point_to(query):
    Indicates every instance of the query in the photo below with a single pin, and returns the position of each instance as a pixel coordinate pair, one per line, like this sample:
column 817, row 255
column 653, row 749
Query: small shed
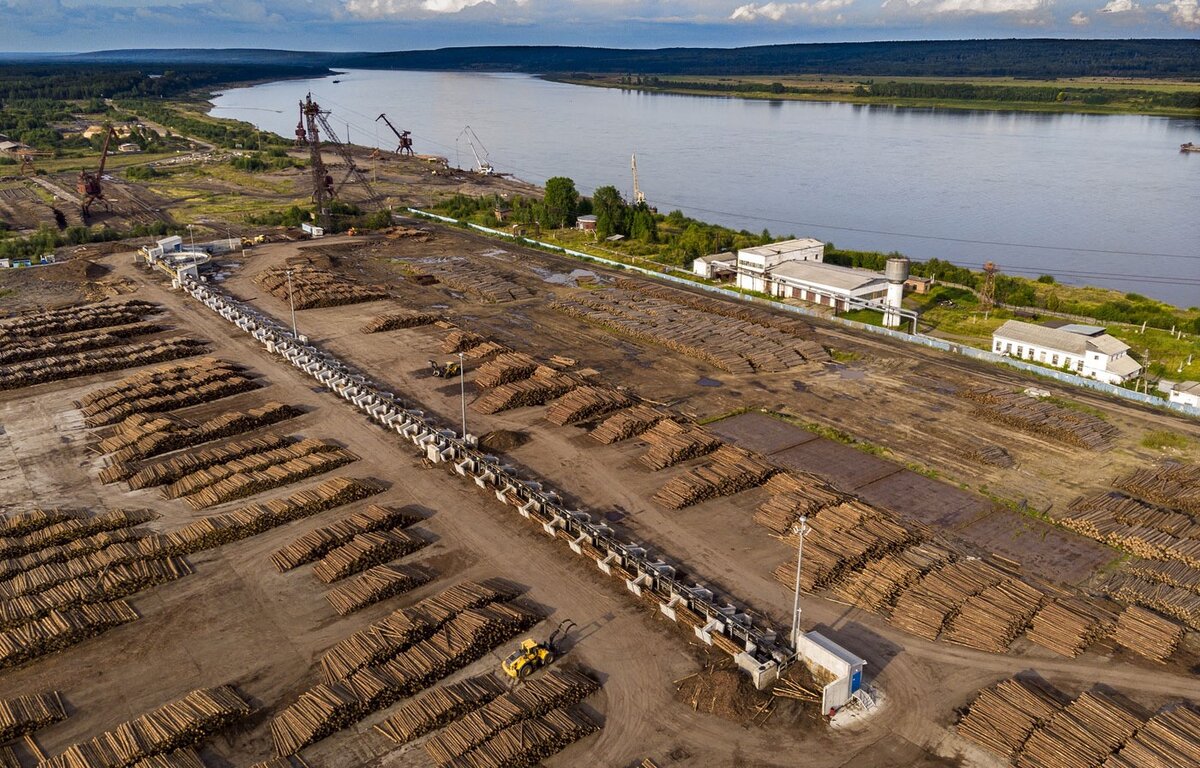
column 502, row 212
column 828, row 659
column 918, row 284
column 312, row 230
column 586, row 223
column 716, row 266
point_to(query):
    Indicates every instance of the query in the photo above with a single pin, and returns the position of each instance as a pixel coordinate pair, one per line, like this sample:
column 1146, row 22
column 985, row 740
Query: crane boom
column 483, row 165
column 405, row 147
column 89, row 186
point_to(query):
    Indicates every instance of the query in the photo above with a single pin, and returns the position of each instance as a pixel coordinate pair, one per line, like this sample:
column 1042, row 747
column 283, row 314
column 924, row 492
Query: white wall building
column 716, row 265
column 754, row 265
column 1086, row 350
column 1185, row 392
column 829, row 285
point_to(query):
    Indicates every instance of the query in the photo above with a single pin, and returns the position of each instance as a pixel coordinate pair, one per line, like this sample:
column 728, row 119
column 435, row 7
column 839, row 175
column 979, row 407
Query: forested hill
column 1041, row 58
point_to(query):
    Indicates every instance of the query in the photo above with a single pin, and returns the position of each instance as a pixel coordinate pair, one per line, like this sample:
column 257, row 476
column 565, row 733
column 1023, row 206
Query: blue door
column 856, row 679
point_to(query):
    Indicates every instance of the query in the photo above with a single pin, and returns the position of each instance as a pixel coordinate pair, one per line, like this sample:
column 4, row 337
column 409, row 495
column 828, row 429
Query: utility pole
column 800, row 528
column 292, row 302
column 462, row 391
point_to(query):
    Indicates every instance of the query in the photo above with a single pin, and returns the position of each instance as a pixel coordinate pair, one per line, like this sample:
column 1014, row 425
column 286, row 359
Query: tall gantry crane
column 639, row 197
column 316, row 120
column 405, row 147
column 89, row 186
column 26, row 157
column 483, row 165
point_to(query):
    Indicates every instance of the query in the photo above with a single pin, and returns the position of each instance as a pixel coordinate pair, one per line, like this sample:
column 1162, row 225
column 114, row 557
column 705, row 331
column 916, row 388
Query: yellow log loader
column 531, row 655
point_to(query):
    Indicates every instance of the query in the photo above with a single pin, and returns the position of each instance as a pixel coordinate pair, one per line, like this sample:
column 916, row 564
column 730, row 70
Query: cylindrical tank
column 897, row 269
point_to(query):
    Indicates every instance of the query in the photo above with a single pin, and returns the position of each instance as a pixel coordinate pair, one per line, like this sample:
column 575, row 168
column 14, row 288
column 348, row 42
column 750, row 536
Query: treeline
column 47, row 238
column 223, row 133
column 77, row 81
column 1040, row 94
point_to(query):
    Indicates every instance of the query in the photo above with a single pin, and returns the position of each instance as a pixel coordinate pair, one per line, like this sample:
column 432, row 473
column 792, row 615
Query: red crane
column 404, row 137
column 89, row 186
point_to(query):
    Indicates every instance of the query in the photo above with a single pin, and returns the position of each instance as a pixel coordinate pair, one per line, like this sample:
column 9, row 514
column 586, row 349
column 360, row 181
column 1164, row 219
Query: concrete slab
column 760, row 433
column 930, row 501
column 1040, row 548
column 847, row 468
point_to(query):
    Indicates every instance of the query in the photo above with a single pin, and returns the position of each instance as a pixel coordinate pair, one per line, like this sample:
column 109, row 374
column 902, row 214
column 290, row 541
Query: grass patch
column 831, row 433
column 843, row 357
column 1161, row 439
column 723, row 416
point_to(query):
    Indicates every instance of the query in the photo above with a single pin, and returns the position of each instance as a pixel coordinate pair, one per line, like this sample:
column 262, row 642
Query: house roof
column 1108, row 345
column 784, row 246
column 1123, row 366
column 723, row 256
column 1060, row 338
column 820, row 274
column 1187, row 388
column 1082, row 330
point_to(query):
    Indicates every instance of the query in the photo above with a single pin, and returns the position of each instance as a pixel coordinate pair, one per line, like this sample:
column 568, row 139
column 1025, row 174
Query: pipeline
column 759, row 651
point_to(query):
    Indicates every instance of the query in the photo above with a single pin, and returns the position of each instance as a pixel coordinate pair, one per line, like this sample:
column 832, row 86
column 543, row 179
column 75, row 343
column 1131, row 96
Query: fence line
column 928, row 341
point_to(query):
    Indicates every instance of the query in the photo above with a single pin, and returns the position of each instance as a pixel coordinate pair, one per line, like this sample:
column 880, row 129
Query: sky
column 387, row 25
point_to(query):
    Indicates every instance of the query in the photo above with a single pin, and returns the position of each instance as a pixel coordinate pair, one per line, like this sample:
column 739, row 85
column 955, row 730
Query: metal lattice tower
column 988, row 293
column 323, row 191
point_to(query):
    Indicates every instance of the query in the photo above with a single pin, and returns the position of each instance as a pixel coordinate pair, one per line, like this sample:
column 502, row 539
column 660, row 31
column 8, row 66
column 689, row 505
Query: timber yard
column 422, row 496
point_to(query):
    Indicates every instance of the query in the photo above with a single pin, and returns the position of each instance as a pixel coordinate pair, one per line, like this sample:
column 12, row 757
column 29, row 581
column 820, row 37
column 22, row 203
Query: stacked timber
column 840, row 540
column 75, row 548
column 585, row 403
column 309, row 288
column 202, row 478
column 81, row 341
column 925, row 608
column 1176, row 574
column 394, row 321
column 30, row 325
column 375, row 584
column 794, row 494
column 730, row 470
column 21, row 523
column 504, row 368
column 314, row 544
column 181, row 465
column 244, row 484
column 543, row 386
column 68, row 366
column 439, row 706
column 877, row 585
column 69, row 529
column 173, row 726
column 1171, row 484
column 1002, row 717
column 459, row 340
column 557, row 688
column 61, row 629
column 479, row 280
column 158, row 379
column 1043, row 418
column 284, row 761
column 253, row 519
column 142, row 437
column 180, row 758
column 366, row 550
column 994, row 618
column 1083, row 733
column 1145, row 530
column 530, row 741
column 485, row 350
column 1147, row 634
column 320, row 711
column 627, row 423
column 52, row 567
column 400, row 629
column 165, row 389
column 1173, row 601
column 26, row 714
column 1169, row 739
column 671, row 442
column 1068, row 625
column 989, row 453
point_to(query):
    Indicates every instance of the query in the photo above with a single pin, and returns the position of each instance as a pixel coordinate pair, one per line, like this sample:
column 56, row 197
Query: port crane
column 639, row 197
column 89, row 186
column 483, row 165
column 405, row 146
column 26, row 157
column 316, row 120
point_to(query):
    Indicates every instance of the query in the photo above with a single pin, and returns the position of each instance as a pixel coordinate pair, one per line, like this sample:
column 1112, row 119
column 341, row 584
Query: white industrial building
column 1083, row 349
column 829, row 285
column 716, row 266
column 1185, row 392
column 755, row 265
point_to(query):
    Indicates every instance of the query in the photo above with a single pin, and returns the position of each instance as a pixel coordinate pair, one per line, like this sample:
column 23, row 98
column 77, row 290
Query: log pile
column 1068, row 625
column 26, row 714
column 739, row 311
column 840, row 540
column 70, row 529
column 364, row 551
column 50, row 567
column 989, row 453
column 530, row 741
column 794, row 494
column 1170, row 484
column 180, row 724
column 400, row 629
column 241, row 523
column 557, row 688
column 180, row 758
column 1083, row 733
column 543, row 386
column 375, row 584
column 243, row 484
column 81, row 341
column 505, row 368
column 199, row 479
column 485, row 350
column 1042, row 418
column 583, row 403
column 312, row 288
column 994, row 618
column 877, row 585
column 21, row 523
column 1176, row 574
column 627, row 423
column 1147, row 531
column 314, row 544
column 482, row 282
column 165, row 389
column 925, row 608
column 459, row 340
column 1147, row 634
column 671, row 442
column 1002, row 717
column 181, row 465
column 61, row 629
column 730, row 470
column 69, row 366
column 438, row 707
column 394, row 321
column 1169, row 739
column 1164, row 598
column 31, row 325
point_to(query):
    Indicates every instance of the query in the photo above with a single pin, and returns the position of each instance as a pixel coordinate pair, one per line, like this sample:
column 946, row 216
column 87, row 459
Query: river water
column 1106, row 200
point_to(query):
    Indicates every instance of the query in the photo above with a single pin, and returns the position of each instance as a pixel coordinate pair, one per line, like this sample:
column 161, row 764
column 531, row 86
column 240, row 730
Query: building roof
column 10, row 146
column 585, row 217
column 1123, row 366
column 821, row 274
column 723, row 256
column 1060, row 339
column 784, row 246
column 1187, row 388
column 1082, row 330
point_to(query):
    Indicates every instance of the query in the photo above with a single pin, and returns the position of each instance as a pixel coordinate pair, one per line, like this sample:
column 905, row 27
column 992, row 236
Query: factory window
column 1054, row 360
column 1068, row 363
column 1042, row 357
column 1008, row 348
column 998, row 345
column 1020, row 351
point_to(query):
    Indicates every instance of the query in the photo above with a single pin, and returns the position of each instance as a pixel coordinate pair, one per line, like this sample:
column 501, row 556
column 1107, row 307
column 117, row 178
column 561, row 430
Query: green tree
column 612, row 213
column 561, row 201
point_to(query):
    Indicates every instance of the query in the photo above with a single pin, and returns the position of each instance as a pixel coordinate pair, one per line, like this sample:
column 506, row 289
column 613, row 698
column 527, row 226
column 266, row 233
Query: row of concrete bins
column 756, row 650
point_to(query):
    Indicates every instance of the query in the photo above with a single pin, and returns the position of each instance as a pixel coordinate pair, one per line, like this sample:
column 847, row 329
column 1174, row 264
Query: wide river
column 1107, row 200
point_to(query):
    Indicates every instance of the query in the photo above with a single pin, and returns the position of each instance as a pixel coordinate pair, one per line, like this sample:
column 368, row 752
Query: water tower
column 896, row 273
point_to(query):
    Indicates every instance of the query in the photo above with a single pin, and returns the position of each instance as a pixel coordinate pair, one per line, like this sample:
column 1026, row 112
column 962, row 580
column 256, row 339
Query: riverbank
column 1098, row 96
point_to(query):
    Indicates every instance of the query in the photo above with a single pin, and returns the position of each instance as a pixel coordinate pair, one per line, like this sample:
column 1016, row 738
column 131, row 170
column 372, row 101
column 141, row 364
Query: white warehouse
column 754, row 265
column 1083, row 349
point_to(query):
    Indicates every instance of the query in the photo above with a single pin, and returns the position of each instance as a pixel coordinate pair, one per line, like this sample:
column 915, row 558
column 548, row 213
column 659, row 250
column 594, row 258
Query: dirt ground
column 238, row 620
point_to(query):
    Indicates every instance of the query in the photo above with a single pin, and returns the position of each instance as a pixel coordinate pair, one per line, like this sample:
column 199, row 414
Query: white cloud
column 779, row 11
column 378, row 9
column 1080, row 19
column 1184, row 13
column 971, row 7
column 1120, row 6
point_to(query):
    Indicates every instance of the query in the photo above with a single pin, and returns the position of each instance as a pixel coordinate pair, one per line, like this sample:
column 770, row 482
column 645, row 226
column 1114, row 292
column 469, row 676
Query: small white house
column 1086, row 350
column 172, row 244
column 1185, row 392
column 715, row 266
column 754, row 265
column 312, row 230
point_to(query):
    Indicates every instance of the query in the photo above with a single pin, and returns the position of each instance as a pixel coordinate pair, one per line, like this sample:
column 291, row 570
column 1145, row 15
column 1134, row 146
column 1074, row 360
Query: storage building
column 1083, row 349
column 716, row 266
column 754, row 265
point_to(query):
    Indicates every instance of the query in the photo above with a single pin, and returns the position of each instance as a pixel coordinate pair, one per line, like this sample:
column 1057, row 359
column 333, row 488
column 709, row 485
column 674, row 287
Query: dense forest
column 64, row 79
column 1040, row 58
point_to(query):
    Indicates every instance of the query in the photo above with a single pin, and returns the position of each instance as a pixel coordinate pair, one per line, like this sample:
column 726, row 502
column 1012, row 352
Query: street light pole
column 800, row 529
column 462, row 391
column 292, row 302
